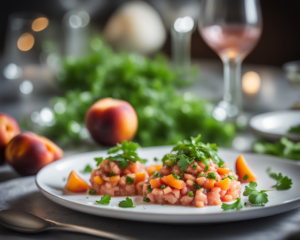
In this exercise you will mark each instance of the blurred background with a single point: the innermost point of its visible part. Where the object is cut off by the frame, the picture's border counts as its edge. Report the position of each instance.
(50, 50)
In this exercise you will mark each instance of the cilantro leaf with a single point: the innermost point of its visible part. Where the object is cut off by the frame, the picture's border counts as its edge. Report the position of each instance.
(283, 182)
(127, 203)
(205, 161)
(99, 160)
(183, 162)
(87, 169)
(175, 176)
(105, 200)
(195, 165)
(129, 180)
(146, 199)
(197, 186)
(256, 197)
(237, 205)
(92, 192)
(149, 188)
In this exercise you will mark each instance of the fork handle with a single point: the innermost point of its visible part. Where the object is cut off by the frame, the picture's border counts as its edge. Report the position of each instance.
(85, 230)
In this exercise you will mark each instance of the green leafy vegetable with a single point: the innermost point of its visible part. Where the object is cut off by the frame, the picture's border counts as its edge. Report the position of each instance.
(163, 186)
(105, 200)
(283, 182)
(175, 176)
(237, 205)
(128, 154)
(149, 85)
(87, 169)
(129, 180)
(284, 149)
(155, 159)
(295, 129)
(190, 194)
(92, 192)
(146, 199)
(112, 173)
(157, 175)
(212, 175)
(246, 177)
(189, 150)
(149, 188)
(127, 203)
(256, 197)
(197, 186)
(99, 160)
(195, 165)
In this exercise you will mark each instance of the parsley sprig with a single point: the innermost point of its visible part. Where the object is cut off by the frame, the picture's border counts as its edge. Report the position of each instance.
(236, 205)
(184, 153)
(283, 182)
(129, 154)
(256, 197)
(105, 200)
(127, 203)
(87, 169)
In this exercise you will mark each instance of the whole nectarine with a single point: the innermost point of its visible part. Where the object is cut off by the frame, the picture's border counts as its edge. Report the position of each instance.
(111, 121)
(8, 129)
(27, 153)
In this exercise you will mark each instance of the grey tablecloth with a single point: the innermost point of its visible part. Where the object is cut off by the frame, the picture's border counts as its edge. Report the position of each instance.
(22, 193)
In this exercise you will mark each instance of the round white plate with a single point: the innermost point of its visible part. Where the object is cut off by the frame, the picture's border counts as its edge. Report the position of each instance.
(52, 178)
(274, 125)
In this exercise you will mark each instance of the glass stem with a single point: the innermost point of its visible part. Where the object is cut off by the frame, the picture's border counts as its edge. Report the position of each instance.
(232, 87)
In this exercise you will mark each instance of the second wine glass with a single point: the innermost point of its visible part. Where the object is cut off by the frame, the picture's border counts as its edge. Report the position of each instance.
(231, 28)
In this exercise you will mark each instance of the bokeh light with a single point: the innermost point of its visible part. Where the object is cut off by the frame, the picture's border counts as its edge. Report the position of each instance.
(26, 87)
(251, 82)
(25, 42)
(39, 24)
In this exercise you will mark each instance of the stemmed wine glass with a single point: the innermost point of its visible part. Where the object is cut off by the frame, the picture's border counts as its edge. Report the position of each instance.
(231, 28)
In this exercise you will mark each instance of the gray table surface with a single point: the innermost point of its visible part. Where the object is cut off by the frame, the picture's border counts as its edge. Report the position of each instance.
(22, 193)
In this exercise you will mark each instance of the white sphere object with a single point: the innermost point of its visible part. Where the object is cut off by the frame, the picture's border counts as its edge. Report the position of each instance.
(136, 26)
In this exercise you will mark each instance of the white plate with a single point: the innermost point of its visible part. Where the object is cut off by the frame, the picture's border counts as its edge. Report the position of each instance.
(274, 125)
(50, 181)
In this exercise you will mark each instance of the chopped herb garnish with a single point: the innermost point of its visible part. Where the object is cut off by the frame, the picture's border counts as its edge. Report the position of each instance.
(129, 154)
(195, 165)
(149, 188)
(283, 182)
(231, 177)
(175, 176)
(129, 180)
(145, 194)
(212, 175)
(188, 151)
(237, 205)
(87, 169)
(146, 199)
(108, 163)
(157, 175)
(112, 173)
(142, 185)
(246, 177)
(256, 197)
(197, 186)
(127, 203)
(105, 200)
(92, 192)
(190, 194)
(99, 160)
(163, 186)
(155, 159)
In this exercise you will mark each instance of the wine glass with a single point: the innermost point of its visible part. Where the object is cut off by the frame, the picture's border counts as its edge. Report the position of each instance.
(231, 28)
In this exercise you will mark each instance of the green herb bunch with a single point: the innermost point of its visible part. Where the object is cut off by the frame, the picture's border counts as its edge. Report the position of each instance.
(184, 153)
(284, 149)
(128, 154)
(149, 85)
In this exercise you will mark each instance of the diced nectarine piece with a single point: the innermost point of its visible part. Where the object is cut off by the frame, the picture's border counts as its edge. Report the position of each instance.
(209, 184)
(140, 177)
(76, 184)
(155, 183)
(98, 180)
(115, 178)
(224, 184)
(153, 168)
(223, 171)
(173, 182)
(242, 169)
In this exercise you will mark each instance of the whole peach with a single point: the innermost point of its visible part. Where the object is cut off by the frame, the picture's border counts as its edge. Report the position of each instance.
(8, 129)
(27, 153)
(111, 121)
